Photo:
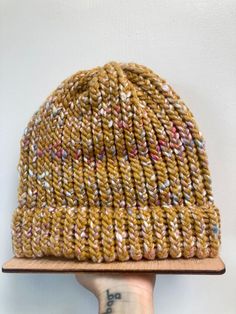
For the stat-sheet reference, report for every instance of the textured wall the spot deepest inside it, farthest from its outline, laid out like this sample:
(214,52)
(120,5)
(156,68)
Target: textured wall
(192,45)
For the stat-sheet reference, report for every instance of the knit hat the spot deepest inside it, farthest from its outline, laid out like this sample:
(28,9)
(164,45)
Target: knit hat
(113,167)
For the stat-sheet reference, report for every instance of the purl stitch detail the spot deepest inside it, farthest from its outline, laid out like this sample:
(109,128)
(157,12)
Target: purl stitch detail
(113,167)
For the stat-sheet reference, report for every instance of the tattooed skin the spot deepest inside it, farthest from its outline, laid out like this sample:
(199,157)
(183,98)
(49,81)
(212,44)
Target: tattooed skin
(111,299)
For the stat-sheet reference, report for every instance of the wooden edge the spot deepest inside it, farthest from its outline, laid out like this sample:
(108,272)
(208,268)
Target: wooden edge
(207,266)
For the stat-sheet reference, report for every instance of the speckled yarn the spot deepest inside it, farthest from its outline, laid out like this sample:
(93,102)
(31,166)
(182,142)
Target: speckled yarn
(113,167)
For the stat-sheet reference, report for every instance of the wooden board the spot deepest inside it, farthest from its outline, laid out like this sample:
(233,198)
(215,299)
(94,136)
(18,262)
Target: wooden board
(206,266)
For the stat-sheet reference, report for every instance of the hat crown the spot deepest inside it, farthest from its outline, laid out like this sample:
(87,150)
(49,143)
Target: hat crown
(129,129)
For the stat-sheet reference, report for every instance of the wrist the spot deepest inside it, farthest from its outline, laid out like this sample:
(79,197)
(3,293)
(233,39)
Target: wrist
(120,299)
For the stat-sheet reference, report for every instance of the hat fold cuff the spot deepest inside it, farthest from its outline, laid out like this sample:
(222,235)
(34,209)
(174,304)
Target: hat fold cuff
(109,234)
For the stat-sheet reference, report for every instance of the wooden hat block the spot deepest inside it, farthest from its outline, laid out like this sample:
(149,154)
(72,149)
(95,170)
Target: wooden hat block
(206,266)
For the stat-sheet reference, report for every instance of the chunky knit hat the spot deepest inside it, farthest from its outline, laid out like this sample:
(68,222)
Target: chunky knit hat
(113,167)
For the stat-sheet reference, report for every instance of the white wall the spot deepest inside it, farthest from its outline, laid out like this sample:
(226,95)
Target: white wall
(190,43)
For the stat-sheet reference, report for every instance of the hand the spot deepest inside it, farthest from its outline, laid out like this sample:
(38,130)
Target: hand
(121,292)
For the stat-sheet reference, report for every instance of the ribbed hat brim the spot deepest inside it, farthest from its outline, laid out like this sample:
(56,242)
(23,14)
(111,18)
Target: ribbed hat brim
(105,235)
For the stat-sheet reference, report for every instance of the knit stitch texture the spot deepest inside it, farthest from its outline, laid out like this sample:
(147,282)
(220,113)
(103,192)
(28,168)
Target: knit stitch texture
(113,167)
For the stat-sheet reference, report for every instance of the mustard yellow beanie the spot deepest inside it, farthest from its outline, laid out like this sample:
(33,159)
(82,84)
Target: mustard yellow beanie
(113,167)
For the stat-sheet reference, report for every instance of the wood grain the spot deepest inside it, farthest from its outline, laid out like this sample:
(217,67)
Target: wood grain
(168,266)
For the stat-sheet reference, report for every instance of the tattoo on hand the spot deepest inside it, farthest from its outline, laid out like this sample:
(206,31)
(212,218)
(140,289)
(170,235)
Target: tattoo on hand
(111,298)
